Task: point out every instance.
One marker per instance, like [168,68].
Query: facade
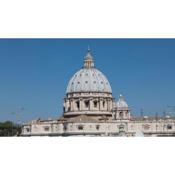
[89,109]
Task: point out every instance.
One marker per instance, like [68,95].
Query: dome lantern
[88,60]
[121,98]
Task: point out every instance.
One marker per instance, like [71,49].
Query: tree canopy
[8,128]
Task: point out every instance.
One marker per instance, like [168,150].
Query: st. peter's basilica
[89,109]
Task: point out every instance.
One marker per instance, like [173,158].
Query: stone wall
[109,128]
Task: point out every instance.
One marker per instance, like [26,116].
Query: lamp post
[17,115]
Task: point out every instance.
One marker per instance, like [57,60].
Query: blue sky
[34,73]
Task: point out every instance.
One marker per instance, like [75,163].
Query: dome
[89,79]
[121,103]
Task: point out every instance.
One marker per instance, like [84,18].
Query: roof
[121,103]
[82,118]
[89,79]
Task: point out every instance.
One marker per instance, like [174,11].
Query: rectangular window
[103,104]
[46,128]
[80,127]
[87,104]
[146,127]
[65,128]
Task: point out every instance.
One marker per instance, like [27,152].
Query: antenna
[164,113]
[141,112]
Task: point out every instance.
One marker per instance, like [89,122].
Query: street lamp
[17,115]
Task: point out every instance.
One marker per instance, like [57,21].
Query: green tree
[8,128]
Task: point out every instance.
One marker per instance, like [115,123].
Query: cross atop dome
[121,97]
[88,60]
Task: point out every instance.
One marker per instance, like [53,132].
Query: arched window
[87,103]
[121,114]
[95,104]
[121,127]
[68,109]
[78,105]
[80,127]
[103,104]
[97,127]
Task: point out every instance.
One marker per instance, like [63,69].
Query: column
[108,105]
[72,105]
[81,104]
[91,104]
[101,104]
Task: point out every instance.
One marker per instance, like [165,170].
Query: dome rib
[89,80]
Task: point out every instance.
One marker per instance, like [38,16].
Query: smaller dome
[121,103]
